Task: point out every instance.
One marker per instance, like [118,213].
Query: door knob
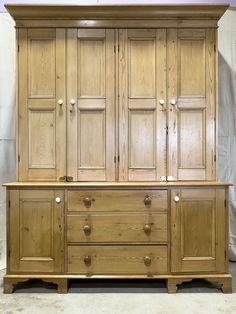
[72,102]
[176,199]
[58,200]
[173,102]
[60,102]
[162,102]
[88,201]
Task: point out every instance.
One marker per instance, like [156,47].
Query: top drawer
[117,200]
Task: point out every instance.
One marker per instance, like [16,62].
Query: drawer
[117,227]
[117,200]
[148,259]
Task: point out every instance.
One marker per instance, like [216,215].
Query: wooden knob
[147,260]
[87,229]
[87,260]
[88,201]
[147,229]
[176,199]
[147,200]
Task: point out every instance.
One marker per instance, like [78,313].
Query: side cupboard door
[191,101]
[142,107]
[41,104]
[91,104]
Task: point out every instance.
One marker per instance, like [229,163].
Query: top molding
[76,15]
[181,11]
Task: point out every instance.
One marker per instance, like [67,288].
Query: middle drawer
[117,227]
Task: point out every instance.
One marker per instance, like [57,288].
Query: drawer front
[122,200]
[117,227]
[108,260]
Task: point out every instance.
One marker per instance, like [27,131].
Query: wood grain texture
[117,259]
[147,228]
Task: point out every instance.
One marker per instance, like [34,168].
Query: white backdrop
[227,115]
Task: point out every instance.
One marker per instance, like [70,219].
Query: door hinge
[225,254]
[116,47]
[214,158]
[215,47]
[66,179]
[18,48]
[116,159]
[225,203]
[18,158]
[9,203]
[167,130]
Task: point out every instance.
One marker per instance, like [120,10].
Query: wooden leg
[171,285]
[8,284]
[62,284]
[226,285]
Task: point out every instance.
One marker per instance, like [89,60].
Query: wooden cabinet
[106,104]
[197,236]
[113,98]
[36,231]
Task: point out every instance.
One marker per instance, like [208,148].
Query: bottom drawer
[148,259]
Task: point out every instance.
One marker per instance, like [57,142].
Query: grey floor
[95,297]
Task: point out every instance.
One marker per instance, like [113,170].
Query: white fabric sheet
[227,116]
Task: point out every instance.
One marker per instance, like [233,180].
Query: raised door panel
[198,232]
[191,76]
[142,119]
[41,119]
[36,231]
[91,119]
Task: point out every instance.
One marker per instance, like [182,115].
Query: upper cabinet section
[117,93]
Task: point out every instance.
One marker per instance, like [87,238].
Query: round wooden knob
[87,229]
[58,200]
[147,229]
[88,201]
[147,260]
[87,260]
[147,200]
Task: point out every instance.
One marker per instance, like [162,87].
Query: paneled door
[41,109]
[198,234]
[36,236]
[191,101]
[142,107]
[91,104]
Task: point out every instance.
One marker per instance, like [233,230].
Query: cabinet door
[191,86]
[36,236]
[198,230]
[41,84]
[142,119]
[91,104]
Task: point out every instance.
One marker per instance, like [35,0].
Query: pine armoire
[117,146]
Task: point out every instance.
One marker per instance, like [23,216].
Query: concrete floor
[113,297]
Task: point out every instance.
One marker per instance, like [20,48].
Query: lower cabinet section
[101,260]
[176,232]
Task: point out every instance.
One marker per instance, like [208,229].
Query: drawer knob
[147,200]
[147,260]
[87,229]
[88,201]
[147,229]
[87,260]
